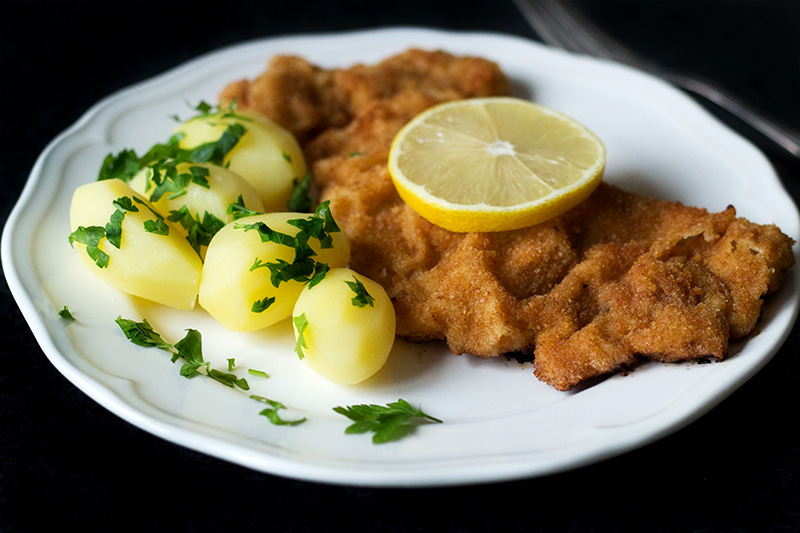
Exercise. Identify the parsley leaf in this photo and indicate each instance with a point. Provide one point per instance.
(199, 232)
(114, 225)
(142, 334)
(164, 157)
(362, 297)
(300, 201)
(214, 152)
(238, 209)
(158, 226)
(228, 379)
(318, 226)
(123, 166)
(91, 237)
(272, 412)
(167, 180)
(301, 323)
(388, 423)
(259, 306)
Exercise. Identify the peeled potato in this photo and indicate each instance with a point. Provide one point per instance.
(230, 286)
(161, 268)
(267, 156)
(224, 188)
(344, 342)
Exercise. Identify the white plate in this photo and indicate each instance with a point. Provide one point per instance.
(500, 422)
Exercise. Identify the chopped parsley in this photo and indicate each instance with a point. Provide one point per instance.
(303, 268)
(362, 297)
(190, 349)
(167, 180)
(259, 306)
(198, 232)
(163, 159)
(271, 412)
(91, 237)
(300, 200)
(114, 225)
(301, 324)
(157, 226)
(239, 210)
(258, 373)
(112, 231)
(65, 314)
(387, 423)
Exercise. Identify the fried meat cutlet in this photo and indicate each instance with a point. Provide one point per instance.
(617, 279)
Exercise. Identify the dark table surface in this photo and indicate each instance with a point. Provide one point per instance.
(66, 461)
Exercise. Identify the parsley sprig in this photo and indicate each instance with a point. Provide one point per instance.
(387, 423)
(362, 298)
(190, 349)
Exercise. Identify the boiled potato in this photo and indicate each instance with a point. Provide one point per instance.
(343, 335)
(224, 188)
(267, 156)
(231, 285)
(161, 268)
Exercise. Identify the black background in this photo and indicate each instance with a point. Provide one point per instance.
(66, 461)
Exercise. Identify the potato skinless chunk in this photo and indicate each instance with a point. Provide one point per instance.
(346, 339)
(161, 268)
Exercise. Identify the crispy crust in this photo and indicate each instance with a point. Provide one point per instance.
(614, 280)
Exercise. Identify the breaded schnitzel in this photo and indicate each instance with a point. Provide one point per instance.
(614, 280)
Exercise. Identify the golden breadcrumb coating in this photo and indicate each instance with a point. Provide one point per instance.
(616, 279)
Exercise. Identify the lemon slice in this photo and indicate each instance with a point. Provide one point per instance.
(494, 164)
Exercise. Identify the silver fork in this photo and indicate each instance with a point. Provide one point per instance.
(561, 25)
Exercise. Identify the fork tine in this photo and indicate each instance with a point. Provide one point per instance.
(548, 28)
(561, 24)
(592, 39)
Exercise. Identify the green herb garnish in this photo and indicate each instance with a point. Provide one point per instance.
(114, 225)
(112, 232)
(259, 306)
(239, 210)
(198, 232)
(157, 226)
(66, 314)
(303, 268)
(300, 323)
(91, 237)
(388, 423)
(190, 349)
(162, 158)
(142, 334)
(272, 412)
(300, 200)
(362, 297)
